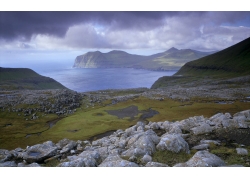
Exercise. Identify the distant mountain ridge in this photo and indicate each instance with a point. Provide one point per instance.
(171, 59)
(24, 78)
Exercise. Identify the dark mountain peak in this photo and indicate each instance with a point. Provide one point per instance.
(171, 50)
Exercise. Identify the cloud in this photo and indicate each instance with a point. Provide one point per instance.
(123, 30)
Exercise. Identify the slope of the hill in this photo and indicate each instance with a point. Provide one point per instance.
(232, 61)
(24, 78)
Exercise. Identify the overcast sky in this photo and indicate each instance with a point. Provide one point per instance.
(55, 35)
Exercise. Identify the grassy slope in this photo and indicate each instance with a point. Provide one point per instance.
(232, 61)
(24, 78)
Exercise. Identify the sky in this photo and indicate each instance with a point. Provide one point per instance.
(36, 37)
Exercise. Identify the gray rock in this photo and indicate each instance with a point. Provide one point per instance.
(205, 159)
(242, 151)
(68, 147)
(146, 158)
(201, 147)
(8, 164)
(142, 143)
(40, 152)
(116, 161)
(216, 142)
(173, 142)
(156, 164)
(204, 128)
(28, 165)
(5, 155)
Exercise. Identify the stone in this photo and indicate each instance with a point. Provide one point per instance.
(40, 152)
(5, 155)
(68, 147)
(205, 159)
(142, 143)
(146, 158)
(174, 143)
(204, 128)
(117, 161)
(201, 147)
(216, 142)
(156, 164)
(242, 151)
(8, 164)
(28, 165)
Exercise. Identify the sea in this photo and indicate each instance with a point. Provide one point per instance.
(93, 79)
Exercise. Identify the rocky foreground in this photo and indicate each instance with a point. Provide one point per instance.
(137, 145)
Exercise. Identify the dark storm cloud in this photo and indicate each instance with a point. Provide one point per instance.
(25, 24)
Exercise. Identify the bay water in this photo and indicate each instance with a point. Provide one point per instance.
(93, 79)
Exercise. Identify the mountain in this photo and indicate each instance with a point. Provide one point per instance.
(171, 59)
(232, 61)
(24, 78)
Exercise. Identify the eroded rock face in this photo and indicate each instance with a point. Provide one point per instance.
(40, 152)
(174, 143)
(204, 159)
(117, 161)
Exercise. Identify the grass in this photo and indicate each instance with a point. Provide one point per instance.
(229, 154)
(95, 120)
(171, 158)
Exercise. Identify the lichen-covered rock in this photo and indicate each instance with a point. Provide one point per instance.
(40, 152)
(174, 143)
(117, 161)
(242, 151)
(204, 159)
(156, 164)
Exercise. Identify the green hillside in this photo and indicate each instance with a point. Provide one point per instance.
(24, 78)
(168, 60)
(232, 61)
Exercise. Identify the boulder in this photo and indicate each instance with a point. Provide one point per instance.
(146, 158)
(204, 159)
(155, 164)
(203, 128)
(142, 143)
(8, 164)
(117, 161)
(5, 155)
(173, 142)
(28, 165)
(40, 152)
(242, 151)
(201, 147)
